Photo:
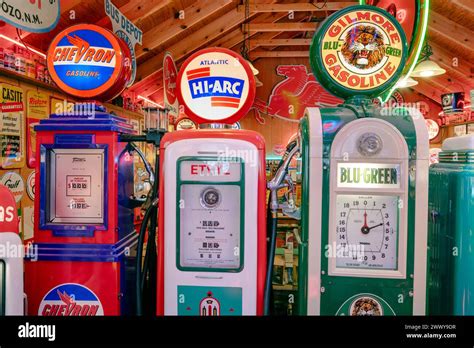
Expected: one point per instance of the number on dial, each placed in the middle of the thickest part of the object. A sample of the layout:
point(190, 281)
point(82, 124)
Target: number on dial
point(366, 231)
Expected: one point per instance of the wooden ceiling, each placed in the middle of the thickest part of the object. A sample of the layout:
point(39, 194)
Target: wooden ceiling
point(185, 26)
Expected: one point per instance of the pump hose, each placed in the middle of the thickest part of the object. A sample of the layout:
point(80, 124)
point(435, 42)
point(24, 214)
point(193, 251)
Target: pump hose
point(141, 240)
point(271, 259)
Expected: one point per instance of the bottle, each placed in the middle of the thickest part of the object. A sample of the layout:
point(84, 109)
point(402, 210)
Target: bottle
point(39, 71)
point(9, 60)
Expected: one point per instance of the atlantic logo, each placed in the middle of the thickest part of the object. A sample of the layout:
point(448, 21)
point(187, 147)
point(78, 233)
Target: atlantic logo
point(223, 91)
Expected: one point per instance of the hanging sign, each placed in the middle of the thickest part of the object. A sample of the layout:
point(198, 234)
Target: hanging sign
point(127, 31)
point(433, 128)
point(360, 50)
point(37, 105)
point(216, 85)
point(88, 61)
point(37, 16)
point(11, 127)
point(170, 76)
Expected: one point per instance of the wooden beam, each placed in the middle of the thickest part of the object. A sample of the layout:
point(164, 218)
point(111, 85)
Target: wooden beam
point(236, 36)
point(279, 27)
point(428, 91)
point(448, 58)
point(277, 54)
point(298, 7)
point(200, 38)
point(280, 42)
point(449, 31)
point(192, 42)
point(466, 5)
point(137, 12)
point(169, 28)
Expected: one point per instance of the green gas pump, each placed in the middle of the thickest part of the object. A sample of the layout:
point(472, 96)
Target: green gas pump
point(451, 221)
point(364, 176)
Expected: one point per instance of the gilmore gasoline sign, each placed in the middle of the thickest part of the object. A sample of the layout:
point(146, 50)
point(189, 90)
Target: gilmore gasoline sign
point(360, 50)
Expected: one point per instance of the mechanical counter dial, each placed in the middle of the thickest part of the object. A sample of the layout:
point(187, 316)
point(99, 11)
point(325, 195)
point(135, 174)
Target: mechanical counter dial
point(367, 231)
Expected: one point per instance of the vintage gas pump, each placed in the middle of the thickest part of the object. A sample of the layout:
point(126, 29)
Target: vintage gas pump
point(84, 233)
point(212, 251)
point(364, 176)
point(450, 240)
point(11, 257)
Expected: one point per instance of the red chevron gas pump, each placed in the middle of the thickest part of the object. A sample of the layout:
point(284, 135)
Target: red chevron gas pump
point(84, 233)
point(212, 252)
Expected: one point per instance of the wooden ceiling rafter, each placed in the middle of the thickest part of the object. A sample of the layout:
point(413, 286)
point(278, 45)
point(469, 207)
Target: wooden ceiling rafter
point(451, 34)
point(298, 7)
point(171, 27)
point(280, 27)
point(201, 38)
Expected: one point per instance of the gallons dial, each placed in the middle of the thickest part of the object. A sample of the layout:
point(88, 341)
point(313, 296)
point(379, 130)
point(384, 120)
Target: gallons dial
point(366, 231)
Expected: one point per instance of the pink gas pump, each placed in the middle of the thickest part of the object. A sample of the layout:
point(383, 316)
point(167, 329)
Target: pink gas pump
point(212, 236)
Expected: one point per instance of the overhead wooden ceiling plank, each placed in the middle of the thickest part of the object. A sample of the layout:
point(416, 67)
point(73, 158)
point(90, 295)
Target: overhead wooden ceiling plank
point(279, 27)
point(173, 26)
point(451, 59)
point(428, 91)
point(277, 54)
point(298, 7)
point(280, 42)
point(447, 32)
point(138, 11)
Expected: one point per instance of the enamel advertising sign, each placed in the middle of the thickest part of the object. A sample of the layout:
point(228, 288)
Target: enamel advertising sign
point(12, 128)
point(216, 85)
point(38, 16)
point(37, 108)
point(170, 76)
point(88, 61)
point(360, 50)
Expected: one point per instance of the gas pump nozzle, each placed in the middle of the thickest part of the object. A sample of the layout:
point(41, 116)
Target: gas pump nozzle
point(282, 180)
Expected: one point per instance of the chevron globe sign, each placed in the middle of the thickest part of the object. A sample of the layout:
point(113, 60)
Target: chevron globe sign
point(88, 61)
point(216, 85)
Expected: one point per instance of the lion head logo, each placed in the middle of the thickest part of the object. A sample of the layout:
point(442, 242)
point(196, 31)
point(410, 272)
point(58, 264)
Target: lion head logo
point(363, 47)
point(366, 306)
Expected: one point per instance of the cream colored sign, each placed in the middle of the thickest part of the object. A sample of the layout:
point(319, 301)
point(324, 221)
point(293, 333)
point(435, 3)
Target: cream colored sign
point(361, 50)
point(12, 128)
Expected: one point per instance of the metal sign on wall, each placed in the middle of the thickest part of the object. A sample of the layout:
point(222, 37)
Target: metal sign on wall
point(170, 76)
point(38, 16)
point(291, 96)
